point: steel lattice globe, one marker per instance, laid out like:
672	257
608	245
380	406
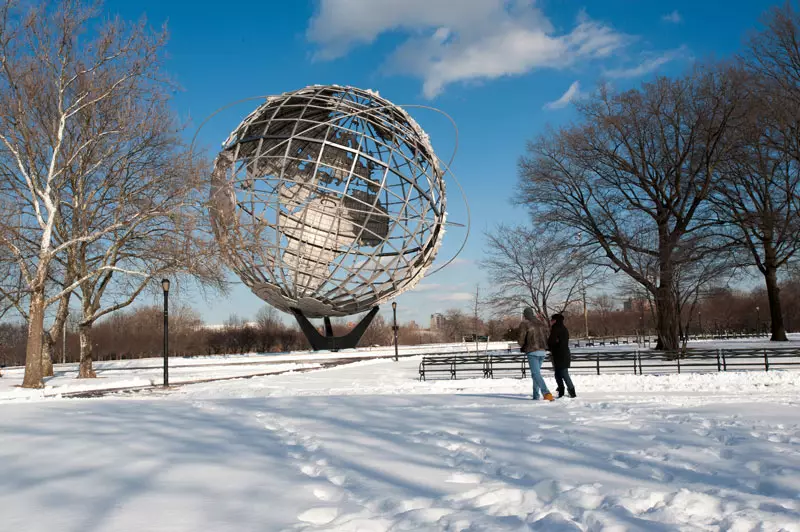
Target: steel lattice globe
328	200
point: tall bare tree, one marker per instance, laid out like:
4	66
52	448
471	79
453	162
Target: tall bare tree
534	267
759	193
16	249
635	174
53	72
156	195
775	51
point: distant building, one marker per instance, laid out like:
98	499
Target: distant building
437	321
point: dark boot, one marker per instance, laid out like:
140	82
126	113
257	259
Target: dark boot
560	392
572	392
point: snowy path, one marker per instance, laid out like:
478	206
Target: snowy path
366	447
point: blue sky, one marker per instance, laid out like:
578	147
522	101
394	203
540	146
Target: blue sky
503	69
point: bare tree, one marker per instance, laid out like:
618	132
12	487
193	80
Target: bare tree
759	193
16	250
272	332
151	187
52	72
635	175
775	51
14	296
456	325
267	318
534	267
93	155
378	333
759	196
604	305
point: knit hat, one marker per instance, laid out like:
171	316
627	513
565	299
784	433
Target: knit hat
558	318
529	314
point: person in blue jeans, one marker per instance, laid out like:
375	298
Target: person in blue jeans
532	343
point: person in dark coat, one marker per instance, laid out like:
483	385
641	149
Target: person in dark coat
558	345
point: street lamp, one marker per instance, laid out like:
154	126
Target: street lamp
758	321
64	340
583	295
394	327
640	334
700	323
165	286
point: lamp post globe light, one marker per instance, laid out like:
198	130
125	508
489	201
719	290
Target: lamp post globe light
165	288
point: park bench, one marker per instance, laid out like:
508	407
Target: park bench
454	366
479	365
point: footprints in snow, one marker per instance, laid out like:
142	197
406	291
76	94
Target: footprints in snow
496	495
319	516
325	482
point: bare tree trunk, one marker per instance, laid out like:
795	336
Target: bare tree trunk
668	316
48	343
775	312
33	351
86	371
52	336
667	319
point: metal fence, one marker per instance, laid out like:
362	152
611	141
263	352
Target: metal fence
499	364
650	340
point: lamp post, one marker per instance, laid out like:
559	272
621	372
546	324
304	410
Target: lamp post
165	287
64	340
640	340
758	321
394	328
583	295
700	323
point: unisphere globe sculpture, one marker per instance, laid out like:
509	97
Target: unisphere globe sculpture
328	201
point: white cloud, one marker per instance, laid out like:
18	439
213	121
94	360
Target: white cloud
448	43
648	65
427	287
572	93
455	296
458	261
673	17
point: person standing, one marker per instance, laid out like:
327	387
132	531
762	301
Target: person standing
532	343
558	345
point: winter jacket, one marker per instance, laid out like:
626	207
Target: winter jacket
558	345
531	337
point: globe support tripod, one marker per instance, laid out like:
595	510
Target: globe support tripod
329	342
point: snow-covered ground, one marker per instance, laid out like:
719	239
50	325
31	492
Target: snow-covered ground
368	447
